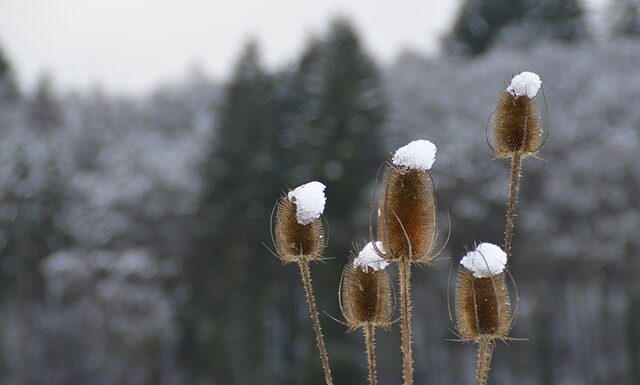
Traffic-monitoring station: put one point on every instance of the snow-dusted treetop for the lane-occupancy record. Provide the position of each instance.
(525, 83)
(485, 261)
(369, 258)
(310, 200)
(417, 155)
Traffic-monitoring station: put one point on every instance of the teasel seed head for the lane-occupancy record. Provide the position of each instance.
(517, 126)
(483, 307)
(299, 233)
(407, 206)
(366, 290)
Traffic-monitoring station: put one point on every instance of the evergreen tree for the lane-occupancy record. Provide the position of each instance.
(478, 23)
(482, 23)
(8, 87)
(341, 120)
(624, 18)
(229, 268)
(43, 109)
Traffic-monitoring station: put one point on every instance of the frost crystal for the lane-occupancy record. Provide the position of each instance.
(369, 258)
(417, 155)
(525, 83)
(310, 200)
(485, 261)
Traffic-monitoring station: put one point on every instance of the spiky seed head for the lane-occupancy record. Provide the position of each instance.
(517, 126)
(483, 307)
(366, 296)
(407, 214)
(296, 241)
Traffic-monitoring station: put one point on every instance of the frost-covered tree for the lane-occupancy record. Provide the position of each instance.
(43, 108)
(478, 23)
(342, 117)
(8, 87)
(624, 17)
(227, 267)
(483, 23)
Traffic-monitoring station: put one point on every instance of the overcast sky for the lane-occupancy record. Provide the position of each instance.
(132, 45)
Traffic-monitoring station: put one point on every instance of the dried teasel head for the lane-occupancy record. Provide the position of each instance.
(407, 208)
(483, 307)
(299, 233)
(366, 290)
(517, 127)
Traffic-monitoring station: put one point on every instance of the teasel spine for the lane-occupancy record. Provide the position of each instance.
(404, 267)
(517, 134)
(407, 226)
(483, 359)
(511, 214)
(299, 238)
(370, 344)
(365, 294)
(483, 307)
(305, 274)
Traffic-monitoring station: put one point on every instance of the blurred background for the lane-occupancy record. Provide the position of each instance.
(144, 143)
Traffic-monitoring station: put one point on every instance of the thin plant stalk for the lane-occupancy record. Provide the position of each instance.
(370, 342)
(405, 322)
(305, 274)
(514, 185)
(483, 365)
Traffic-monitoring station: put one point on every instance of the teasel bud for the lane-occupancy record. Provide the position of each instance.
(407, 208)
(483, 307)
(517, 135)
(517, 127)
(299, 233)
(299, 238)
(366, 298)
(366, 290)
(407, 226)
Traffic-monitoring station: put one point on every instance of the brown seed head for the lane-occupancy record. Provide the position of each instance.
(483, 308)
(295, 241)
(366, 297)
(516, 126)
(407, 215)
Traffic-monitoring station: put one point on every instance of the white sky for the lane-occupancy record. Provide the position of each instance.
(132, 45)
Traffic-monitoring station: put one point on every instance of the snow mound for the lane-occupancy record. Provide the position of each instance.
(417, 155)
(485, 261)
(309, 200)
(525, 83)
(369, 258)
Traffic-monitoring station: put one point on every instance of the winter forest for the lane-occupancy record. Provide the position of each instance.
(132, 227)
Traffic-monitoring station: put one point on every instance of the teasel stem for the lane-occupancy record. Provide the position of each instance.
(313, 313)
(514, 185)
(405, 315)
(483, 365)
(370, 342)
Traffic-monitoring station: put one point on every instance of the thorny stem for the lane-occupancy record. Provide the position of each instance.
(485, 352)
(370, 342)
(514, 184)
(305, 274)
(405, 315)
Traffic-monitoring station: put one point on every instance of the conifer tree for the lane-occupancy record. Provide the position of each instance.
(227, 265)
(624, 18)
(482, 23)
(8, 87)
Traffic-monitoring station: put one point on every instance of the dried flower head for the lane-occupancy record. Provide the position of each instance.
(517, 128)
(483, 307)
(407, 208)
(299, 233)
(366, 291)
